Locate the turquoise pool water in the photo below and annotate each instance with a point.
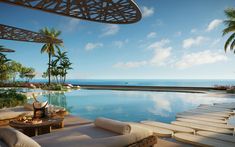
(129, 105)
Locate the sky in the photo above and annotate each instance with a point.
(174, 40)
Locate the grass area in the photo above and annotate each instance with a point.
(11, 98)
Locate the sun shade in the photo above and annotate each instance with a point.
(106, 11)
(18, 34)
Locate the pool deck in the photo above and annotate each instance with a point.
(208, 131)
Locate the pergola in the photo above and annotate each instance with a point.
(18, 34)
(105, 11)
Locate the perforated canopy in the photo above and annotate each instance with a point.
(18, 34)
(106, 11)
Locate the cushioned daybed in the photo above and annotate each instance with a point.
(103, 133)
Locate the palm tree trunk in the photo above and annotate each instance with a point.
(57, 80)
(64, 76)
(49, 69)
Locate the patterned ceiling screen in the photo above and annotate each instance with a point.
(106, 11)
(13, 33)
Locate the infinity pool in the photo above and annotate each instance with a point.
(129, 105)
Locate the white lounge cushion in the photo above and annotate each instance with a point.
(89, 136)
(14, 138)
(113, 125)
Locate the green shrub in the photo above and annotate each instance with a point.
(11, 98)
(53, 87)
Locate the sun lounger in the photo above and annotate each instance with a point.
(103, 133)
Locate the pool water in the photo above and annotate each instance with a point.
(129, 105)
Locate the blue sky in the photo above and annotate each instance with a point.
(174, 40)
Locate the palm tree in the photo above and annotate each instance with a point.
(60, 56)
(65, 65)
(49, 48)
(4, 68)
(230, 28)
(54, 70)
(1, 54)
(14, 69)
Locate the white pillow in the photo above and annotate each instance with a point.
(113, 125)
(14, 138)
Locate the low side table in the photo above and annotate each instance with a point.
(37, 129)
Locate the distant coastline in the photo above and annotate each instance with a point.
(150, 88)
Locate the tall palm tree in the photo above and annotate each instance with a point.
(49, 48)
(230, 28)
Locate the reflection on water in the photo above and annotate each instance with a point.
(57, 99)
(129, 105)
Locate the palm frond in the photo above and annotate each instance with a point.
(57, 33)
(57, 47)
(229, 22)
(230, 13)
(232, 45)
(229, 41)
(228, 30)
(44, 48)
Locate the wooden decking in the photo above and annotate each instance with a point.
(208, 122)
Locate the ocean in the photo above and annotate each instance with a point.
(149, 82)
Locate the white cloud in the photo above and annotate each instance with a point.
(161, 54)
(72, 25)
(110, 29)
(146, 12)
(200, 58)
(131, 64)
(151, 35)
(159, 44)
(215, 42)
(90, 46)
(187, 43)
(120, 44)
(213, 24)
